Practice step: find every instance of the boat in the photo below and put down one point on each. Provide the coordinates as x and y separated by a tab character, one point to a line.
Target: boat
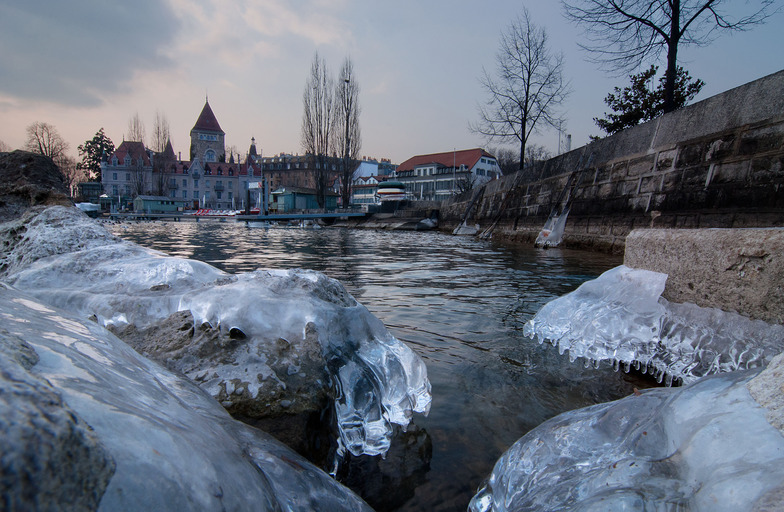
391	191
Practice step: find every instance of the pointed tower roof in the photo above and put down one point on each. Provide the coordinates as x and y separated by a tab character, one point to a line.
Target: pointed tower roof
207	121
168	152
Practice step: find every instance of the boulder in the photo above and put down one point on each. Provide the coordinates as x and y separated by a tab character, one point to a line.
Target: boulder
264	344
50	455
89	424
28	179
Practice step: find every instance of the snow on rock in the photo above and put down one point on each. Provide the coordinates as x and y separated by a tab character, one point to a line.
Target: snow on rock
260	356
704	447
138	436
621	318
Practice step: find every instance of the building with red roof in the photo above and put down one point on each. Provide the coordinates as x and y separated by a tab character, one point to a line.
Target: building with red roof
437	176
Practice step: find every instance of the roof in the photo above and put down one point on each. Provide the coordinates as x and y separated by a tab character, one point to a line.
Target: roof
467	157
133	149
207	122
168	152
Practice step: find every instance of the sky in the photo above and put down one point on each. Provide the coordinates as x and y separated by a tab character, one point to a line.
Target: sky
82	65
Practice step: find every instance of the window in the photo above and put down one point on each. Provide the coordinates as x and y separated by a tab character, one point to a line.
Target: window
207	183
127	176
231	184
114	190
184	183
127	190
173	193
209	156
195	183
218	194
231	196
207	195
114	176
185	194
195	194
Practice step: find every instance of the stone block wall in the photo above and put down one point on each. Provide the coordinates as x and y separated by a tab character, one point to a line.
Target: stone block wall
716	164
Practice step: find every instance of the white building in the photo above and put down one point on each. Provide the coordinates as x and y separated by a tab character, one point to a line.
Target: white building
437	176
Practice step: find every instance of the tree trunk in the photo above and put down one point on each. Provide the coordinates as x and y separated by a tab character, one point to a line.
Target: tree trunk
672	58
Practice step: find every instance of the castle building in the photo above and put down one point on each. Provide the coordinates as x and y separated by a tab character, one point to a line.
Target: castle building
206	179
208	140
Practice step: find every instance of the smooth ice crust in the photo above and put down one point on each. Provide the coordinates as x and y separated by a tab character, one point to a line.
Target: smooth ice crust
621	318
704	447
380	380
173	446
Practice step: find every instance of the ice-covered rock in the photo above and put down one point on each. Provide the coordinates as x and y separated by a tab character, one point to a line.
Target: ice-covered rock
621	318
704	447
87	418
278	330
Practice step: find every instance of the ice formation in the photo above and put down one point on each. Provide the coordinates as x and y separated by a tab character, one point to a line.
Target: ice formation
380	381
706	446
171	445
551	234
621	318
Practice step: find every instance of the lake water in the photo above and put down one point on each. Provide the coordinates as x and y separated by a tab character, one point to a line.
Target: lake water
460	303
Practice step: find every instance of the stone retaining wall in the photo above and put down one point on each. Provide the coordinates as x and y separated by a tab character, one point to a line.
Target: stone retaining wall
716	164
739	270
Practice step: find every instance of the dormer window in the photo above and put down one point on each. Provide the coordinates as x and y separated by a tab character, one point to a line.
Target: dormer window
127	160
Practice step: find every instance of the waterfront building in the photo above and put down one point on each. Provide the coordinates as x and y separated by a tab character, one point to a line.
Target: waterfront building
290	199
207	179
437	176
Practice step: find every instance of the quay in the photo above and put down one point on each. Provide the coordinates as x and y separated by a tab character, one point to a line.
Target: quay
275	217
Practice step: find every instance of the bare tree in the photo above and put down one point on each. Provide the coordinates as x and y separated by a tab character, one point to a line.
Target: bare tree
160	132
317	120
626	33
508	159
4	148
73	173
136	131
347	137
536	153
526	88
44	139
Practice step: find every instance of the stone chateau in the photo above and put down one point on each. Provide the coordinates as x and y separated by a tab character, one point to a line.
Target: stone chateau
208	179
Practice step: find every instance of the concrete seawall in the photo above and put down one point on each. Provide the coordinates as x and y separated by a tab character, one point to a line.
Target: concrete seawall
739	270
716	164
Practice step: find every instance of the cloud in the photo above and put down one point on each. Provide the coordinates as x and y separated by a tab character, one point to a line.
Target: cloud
80	52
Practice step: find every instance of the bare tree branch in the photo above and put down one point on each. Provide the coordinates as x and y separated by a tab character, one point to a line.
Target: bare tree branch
526	89
627	33
317	121
347	136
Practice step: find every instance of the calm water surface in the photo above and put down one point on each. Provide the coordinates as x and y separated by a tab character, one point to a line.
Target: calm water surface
460	304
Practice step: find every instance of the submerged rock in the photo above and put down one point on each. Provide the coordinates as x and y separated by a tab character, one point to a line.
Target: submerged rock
86	421
704	447
303	336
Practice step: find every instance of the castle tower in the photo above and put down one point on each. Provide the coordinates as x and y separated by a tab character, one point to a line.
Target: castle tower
207	138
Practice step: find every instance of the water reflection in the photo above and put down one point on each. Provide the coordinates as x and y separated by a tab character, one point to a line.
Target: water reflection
459	302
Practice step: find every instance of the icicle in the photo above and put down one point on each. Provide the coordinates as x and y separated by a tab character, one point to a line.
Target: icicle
626	367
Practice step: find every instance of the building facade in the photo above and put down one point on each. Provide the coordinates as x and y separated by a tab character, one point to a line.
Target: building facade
207	180
436	176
